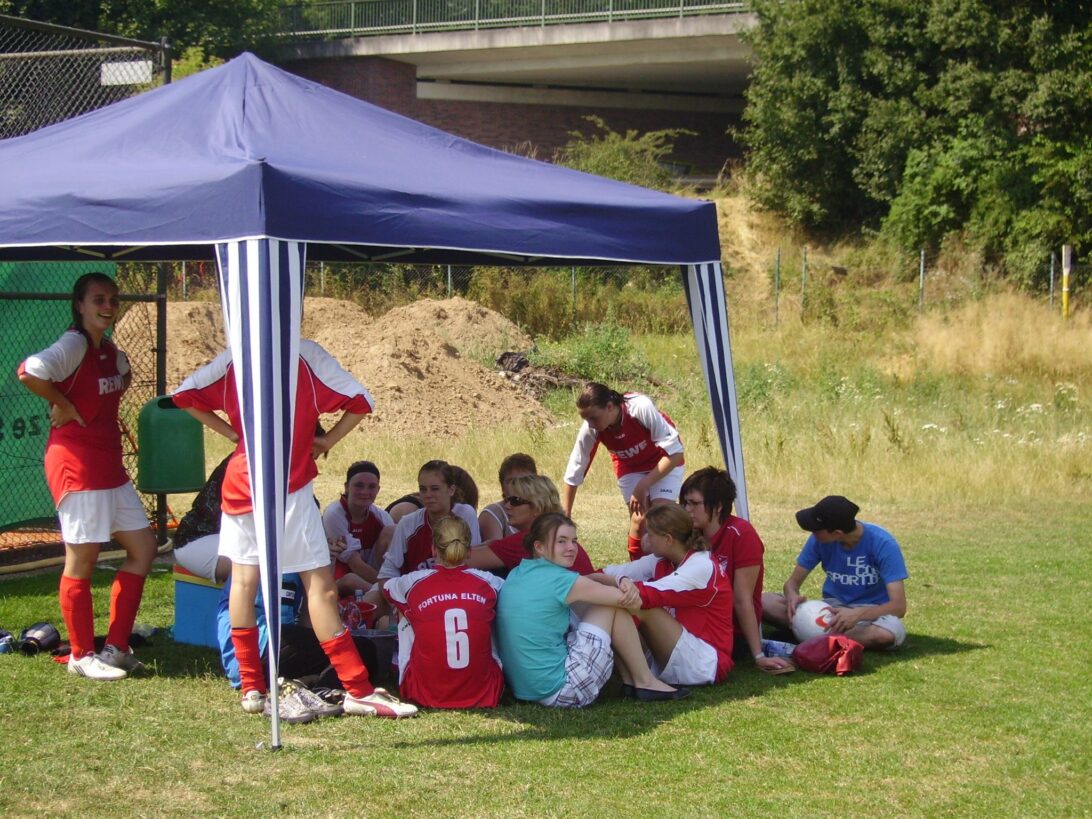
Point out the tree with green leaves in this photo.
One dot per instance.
(926, 120)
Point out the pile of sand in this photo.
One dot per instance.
(414, 359)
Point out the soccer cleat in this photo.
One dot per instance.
(290, 706)
(253, 702)
(92, 667)
(125, 660)
(316, 704)
(379, 703)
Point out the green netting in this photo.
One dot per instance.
(30, 325)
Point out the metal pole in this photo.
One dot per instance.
(574, 294)
(921, 280)
(777, 290)
(160, 382)
(449, 281)
(184, 297)
(804, 281)
(1052, 278)
(1067, 268)
(322, 278)
(165, 54)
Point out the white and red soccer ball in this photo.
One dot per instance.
(812, 618)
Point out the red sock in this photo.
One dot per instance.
(78, 614)
(124, 602)
(633, 544)
(249, 656)
(346, 662)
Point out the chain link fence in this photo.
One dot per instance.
(51, 73)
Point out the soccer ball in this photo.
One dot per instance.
(811, 619)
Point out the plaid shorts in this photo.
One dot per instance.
(587, 667)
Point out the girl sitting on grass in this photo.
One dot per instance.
(446, 656)
(685, 597)
(559, 633)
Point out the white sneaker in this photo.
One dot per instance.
(92, 667)
(125, 660)
(253, 702)
(379, 703)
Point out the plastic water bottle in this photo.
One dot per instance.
(776, 648)
(7, 644)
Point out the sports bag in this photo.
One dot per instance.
(829, 654)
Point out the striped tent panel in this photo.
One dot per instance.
(704, 284)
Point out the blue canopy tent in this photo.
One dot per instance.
(268, 168)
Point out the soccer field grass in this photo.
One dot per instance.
(985, 711)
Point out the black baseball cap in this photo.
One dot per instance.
(831, 513)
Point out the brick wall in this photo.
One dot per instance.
(393, 85)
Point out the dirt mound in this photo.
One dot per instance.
(414, 359)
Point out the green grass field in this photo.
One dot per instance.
(985, 711)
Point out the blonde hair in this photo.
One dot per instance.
(671, 520)
(539, 490)
(451, 538)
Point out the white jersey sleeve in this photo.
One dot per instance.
(643, 569)
(62, 358)
(207, 375)
(665, 436)
(580, 458)
(397, 589)
(332, 374)
(488, 577)
(467, 513)
(336, 525)
(396, 552)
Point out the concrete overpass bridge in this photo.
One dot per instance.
(523, 74)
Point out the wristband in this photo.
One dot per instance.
(761, 655)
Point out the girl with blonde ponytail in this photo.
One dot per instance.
(446, 656)
(692, 646)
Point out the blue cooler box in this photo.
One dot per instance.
(195, 603)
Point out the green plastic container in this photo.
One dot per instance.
(172, 449)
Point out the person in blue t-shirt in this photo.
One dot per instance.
(864, 570)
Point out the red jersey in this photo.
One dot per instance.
(642, 437)
(737, 545)
(511, 552)
(446, 656)
(83, 458)
(321, 386)
(697, 593)
(411, 545)
(358, 536)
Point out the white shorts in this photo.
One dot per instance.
(667, 488)
(587, 667)
(95, 514)
(888, 622)
(304, 546)
(693, 662)
(199, 556)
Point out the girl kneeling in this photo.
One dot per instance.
(685, 604)
(556, 630)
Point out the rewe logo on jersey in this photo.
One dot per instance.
(632, 451)
(112, 383)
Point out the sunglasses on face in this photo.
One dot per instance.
(515, 500)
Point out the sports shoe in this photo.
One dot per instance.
(290, 706)
(253, 702)
(379, 703)
(316, 704)
(125, 660)
(92, 667)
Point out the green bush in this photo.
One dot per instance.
(630, 157)
(601, 352)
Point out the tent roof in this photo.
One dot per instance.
(249, 150)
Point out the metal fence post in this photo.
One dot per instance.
(184, 297)
(449, 281)
(1052, 278)
(1067, 268)
(804, 281)
(322, 278)
(921, 280)
(160, 381)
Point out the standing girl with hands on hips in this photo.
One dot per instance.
(643, 444)
(83, 376)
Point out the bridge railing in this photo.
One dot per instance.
(343, 18)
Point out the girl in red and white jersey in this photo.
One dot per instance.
(322, 386)
(493, 520)
(707, 495)
(643, 444)
(83, 376)
(686, 601)
(411, 546)
(361, 527)
(529, 496)
(446, 655)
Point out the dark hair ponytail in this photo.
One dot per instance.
(599, 395)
